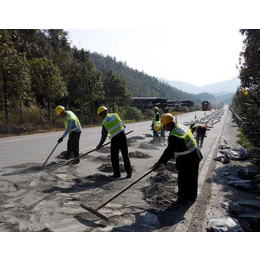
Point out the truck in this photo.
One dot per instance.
(206, 106)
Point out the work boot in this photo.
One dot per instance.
(182, 201)
(75, 162)
(115, 176)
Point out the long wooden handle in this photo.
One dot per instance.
(50, 154)
(119, 193)
(71, 160)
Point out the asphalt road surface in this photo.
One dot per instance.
(33, 200)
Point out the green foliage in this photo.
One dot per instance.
(115, 91)
(47, 83)
(246, 101)
(138, 83)
(243, 141)
(133, 113)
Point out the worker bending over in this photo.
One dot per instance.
(73, 128)
(156, 125)
(113, 126)
(200, 130)
(182, 145)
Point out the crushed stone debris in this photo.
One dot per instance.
(107, 167)
(138, 137)
(148, 146)
(100, 158)
(162, 190)
(104, 150)
(131, 142)
(138, 154)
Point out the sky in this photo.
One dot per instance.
(198, 57)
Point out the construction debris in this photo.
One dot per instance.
(108, 167)
(147, 146)
(162, 191)
(138, 154)
(223, 225)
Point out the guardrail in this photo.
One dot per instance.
(236, 116)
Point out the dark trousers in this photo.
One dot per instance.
(73, 145)
(119, 143)
(188, 182)
(200, 136)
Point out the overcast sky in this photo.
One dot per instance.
(199, 57)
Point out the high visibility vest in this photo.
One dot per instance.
(113, 124)
(75, 123)
(184, 132)
(154, 117)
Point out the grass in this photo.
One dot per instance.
(243, 141)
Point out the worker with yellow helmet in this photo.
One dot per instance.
(156, 125)
(113, 127)
(182, 145)
(73, 128)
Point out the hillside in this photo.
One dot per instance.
(139, 83)
(143, 85)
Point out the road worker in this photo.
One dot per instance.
(73, 128)
(200, 130)
(113, 127)
(156, 125)
(181, 145)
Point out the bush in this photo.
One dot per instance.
(133, 113)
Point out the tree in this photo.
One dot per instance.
(116, 91)
(88, 86)
(246, 101)
(47, 83)
(14, 73)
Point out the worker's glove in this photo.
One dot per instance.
(156, 166)
(60, 140)
(98, 147)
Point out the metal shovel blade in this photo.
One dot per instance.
(95, 212)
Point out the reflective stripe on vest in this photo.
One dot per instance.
(72, 116)
(154, 117)
(184, 132)
(113, 124)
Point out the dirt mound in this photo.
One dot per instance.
(131, 142)
(147, 146)
(107, 167)
(97, 178)
(104, 150)
(162, 192)
(138, 154)
(106, 159)
(138, 137)
(169, 166)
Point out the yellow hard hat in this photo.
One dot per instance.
(156, 108)
(59, 109)
(166, 119)
(101, 109)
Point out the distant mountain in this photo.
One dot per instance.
(218, 89)
(186, 87)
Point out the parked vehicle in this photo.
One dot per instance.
(206, 106)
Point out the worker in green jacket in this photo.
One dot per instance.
(156, 126)
(181, 145)
(73, 128)
(113, 127)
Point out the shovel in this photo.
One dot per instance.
(95, 211)
(49, 155)
(71, 160)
